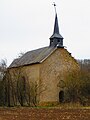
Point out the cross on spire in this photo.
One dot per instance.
(54, 4)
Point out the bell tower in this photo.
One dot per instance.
(56, 39)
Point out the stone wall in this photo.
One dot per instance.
(52, 70)
(49, 73)
(31, 71)
(31, 75)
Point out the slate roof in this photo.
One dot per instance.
(55, 35)
(33, 57)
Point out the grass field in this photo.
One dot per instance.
(27, 113)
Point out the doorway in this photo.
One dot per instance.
(61, 96)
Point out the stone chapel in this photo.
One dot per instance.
(47, 66)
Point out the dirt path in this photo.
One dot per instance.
(44, 114)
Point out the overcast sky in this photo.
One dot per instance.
(28, 24)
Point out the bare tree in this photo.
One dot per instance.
(3, 68)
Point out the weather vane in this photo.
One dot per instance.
(54, 4)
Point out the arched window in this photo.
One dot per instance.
(21, 90)
(23, 83)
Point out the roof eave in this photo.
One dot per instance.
(23, 65)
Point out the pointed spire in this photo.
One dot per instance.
(56, 33)
(56, 27)
(56, 38)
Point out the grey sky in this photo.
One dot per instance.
(27, 24)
